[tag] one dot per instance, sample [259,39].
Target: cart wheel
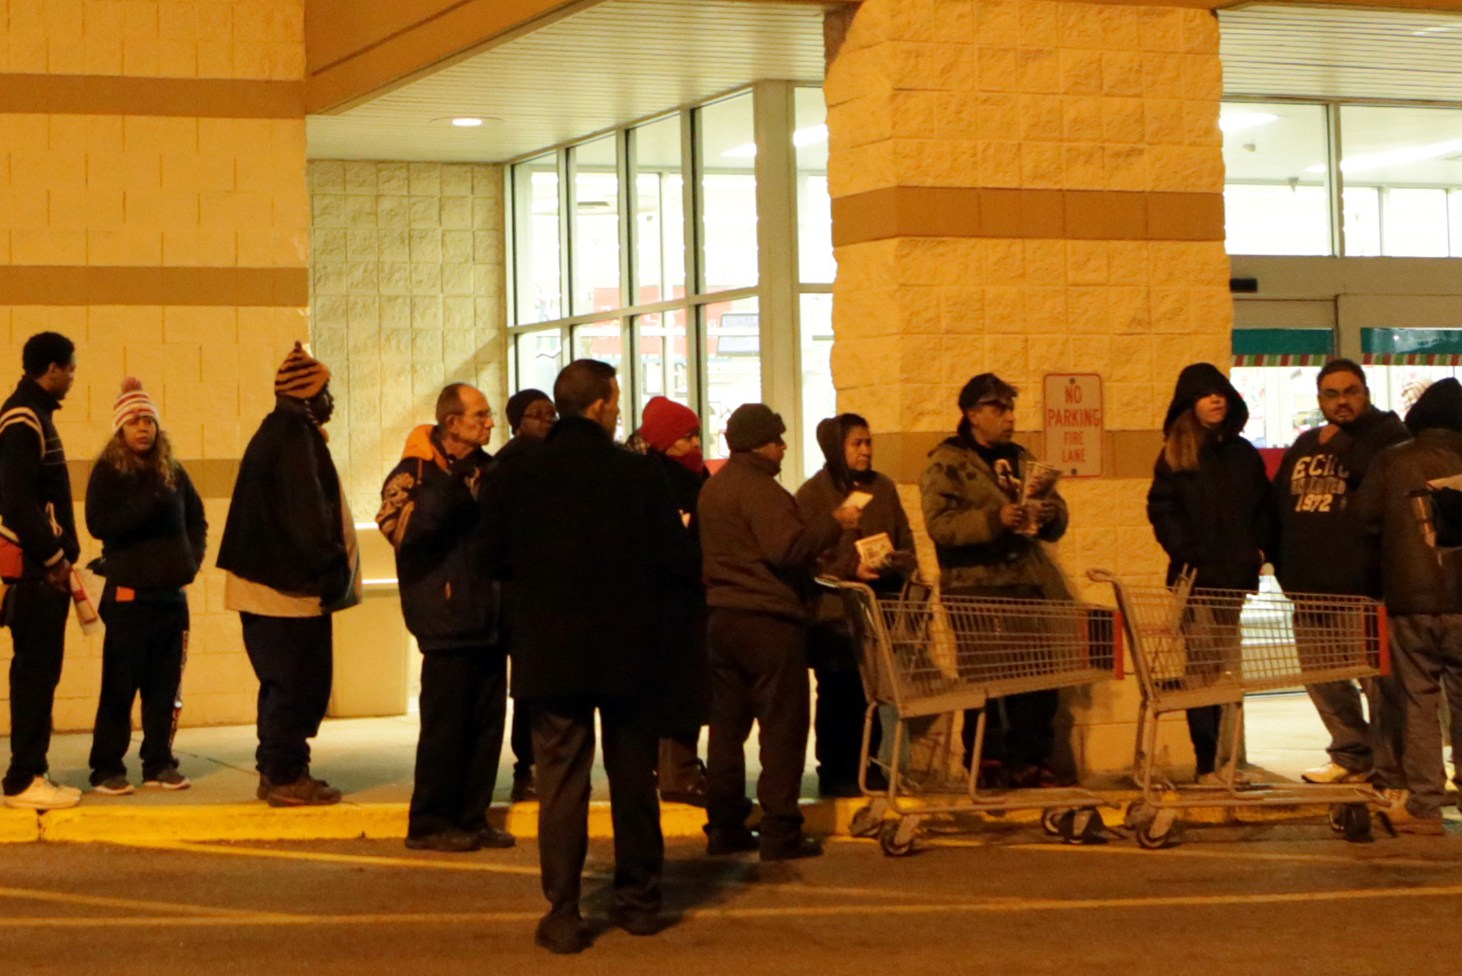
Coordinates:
[896,838]
[1138,815]
[1337,817]
[1083,826]
[1051,820]
[867,821]
[1158,832]
[1356,823]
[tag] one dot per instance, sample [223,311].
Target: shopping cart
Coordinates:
[924,655]
[1197,647]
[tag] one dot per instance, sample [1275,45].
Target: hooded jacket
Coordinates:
[431,516]
[1413,580]
[1321,545]
[1216,519]
[36,511]
[962,497]
[825,491]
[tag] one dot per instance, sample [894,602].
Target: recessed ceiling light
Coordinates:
[467,121]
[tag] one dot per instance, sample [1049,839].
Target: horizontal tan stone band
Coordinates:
[213,477]
[1127,453]
[63,285]
[204,98]
[1105,215]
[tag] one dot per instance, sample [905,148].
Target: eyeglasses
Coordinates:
[550,415]
[1350,393]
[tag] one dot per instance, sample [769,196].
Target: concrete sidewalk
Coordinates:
[371,760]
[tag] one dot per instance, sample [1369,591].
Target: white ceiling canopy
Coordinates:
[616,62]
[1297,50]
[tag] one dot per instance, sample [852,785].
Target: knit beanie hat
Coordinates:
[666,422]
[752,425]
[301,375]
[133,401]
[518,405]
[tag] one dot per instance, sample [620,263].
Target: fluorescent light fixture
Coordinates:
[1239,121]
[809,136]
[467,122]
[1395,157]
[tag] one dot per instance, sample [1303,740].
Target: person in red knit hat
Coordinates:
[670,433]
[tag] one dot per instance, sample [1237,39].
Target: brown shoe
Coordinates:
[304,792]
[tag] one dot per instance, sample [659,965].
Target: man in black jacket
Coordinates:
[1322,547]
[758,558]
[590,541]
[37,547]
[431,515]
[1423,598]
[289,556]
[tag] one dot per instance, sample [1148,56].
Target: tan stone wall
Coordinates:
[95,205]
[407,297]
[1043,98]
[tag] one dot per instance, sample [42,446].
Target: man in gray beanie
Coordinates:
[758,561]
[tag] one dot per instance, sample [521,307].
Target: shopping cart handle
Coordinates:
[1101,576]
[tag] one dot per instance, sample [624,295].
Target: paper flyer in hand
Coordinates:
[873,551]
[1040,482]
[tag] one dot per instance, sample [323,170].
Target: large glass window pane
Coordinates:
[819,398]
[728,194]
[733,367]
[1276,188]
[1362,221]
[595,233]
[536,240]
[814,205]
[604,341]
[663,363]
[1408,157]
[659,212]
[539,358]
[1454,222]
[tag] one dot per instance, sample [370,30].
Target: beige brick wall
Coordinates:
[87,190]
[407,296]
[1034,96]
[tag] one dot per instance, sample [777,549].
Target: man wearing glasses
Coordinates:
[1323,548]
[431,515]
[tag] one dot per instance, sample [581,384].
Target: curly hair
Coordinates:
[158,461]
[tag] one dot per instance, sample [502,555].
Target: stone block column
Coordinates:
[1030,187]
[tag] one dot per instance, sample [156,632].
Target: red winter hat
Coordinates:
[666,422]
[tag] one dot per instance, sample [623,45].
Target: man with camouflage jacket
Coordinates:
[971,494]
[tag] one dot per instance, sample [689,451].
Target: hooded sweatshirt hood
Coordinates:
[422,445]
[832,435]
[1440,405]
[1197,381]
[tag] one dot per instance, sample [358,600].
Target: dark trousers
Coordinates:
[563,747]
[142,652]
[522,740]
[35,612]
[758,673]
[464,701]
[1203,731]
[1020,737]
[838,722]
[680,762]
[292,658]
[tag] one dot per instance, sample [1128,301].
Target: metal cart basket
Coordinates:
[1197,647]
[925,655]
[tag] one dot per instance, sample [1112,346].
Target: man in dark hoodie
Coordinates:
[832,650]
[431,515]
[1423,598]
[1209,506]
[290,562]
[759,556]
[1321,547]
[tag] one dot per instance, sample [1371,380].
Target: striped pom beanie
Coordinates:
[301,375]
[133,401]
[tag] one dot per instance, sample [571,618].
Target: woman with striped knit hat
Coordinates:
[141,506]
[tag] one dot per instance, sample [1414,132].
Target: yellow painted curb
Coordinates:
[19,826]
[385,821]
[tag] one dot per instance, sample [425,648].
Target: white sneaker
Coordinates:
[1335,773]
[1241,780]
[42,794]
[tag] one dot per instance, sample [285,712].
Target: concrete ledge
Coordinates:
[385,821]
